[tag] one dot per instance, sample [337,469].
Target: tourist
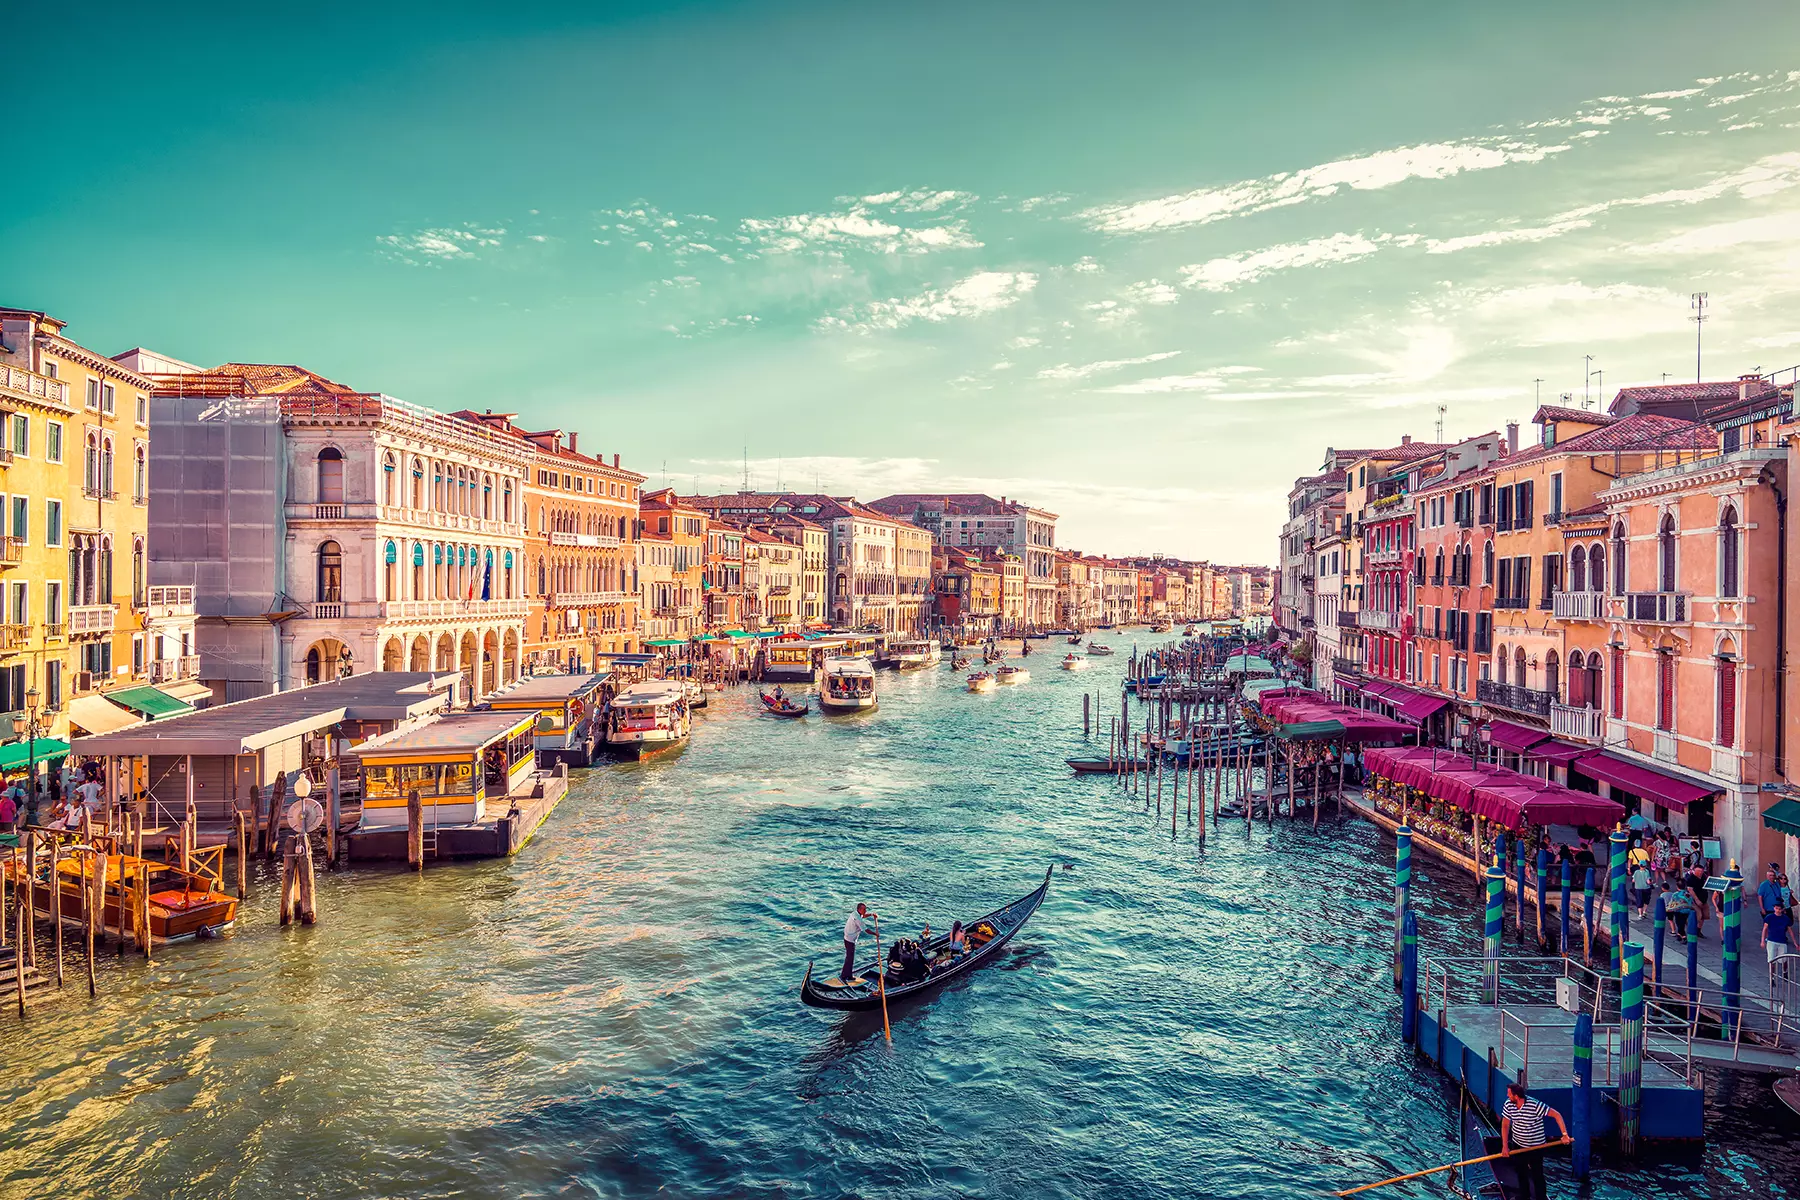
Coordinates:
[18,795]
[1637,856]
[1677,905]
[861,921]
[1768,892]
[1694,881]
[1777,928]
[9,811]
[90,793]
[959,941]
[1522,1136]
[1640,887]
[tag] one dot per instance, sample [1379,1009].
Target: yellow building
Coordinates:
[74,496]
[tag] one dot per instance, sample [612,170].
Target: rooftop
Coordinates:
[464,733]
[549,688]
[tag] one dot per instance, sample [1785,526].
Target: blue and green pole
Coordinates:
[1620,924]
[1403,838]
[1730,957]
[1490,942]
[1582,1096]
[1567,871]
[1519,889]
[1409,977]
[1631,1046]
[1693,970]
[1587,915]
[1659,926]
[1543,878]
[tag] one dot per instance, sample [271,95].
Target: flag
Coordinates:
[487,576]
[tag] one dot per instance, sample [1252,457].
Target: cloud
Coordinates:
[1235,270]
[1710,239]
[1382,169]
[1203,381]
[858,228]
[440,245]
[1153,291]
[1573,313]
[982,292]
[1502,237]
[1780,341]
[1084,370]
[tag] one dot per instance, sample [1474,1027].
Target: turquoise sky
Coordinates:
[1138,263]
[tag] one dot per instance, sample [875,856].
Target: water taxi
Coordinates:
[1074,662]
[182,904]
[565,707]
[649,717]
[1099,649]
[848,686]
[912,655]
[1161,627]
[982,681]
[1012,675]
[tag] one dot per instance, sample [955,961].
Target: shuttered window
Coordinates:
[1618,683]
[1727,702]
[1665,690]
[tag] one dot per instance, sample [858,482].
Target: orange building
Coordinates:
[672,563]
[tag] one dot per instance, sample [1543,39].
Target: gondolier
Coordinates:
[861,921]
[1523,1136]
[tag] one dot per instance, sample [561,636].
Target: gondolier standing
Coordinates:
[861,921]
[1522,1135]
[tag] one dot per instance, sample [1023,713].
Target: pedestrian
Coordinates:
[9,811]
[861,921]
[1677,905]
[1777,929]
[1640,888]
[1695,884]
[1768,892]
[1522,1136]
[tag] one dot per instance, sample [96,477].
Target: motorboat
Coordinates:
[1012,675]
[1161,627]
[1099,649]
[1074,662]
[848,685]
[912,655]
[649,717]
[179,904]
[982,681]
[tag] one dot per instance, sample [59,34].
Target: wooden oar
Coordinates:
[881,977]
[1467,1162]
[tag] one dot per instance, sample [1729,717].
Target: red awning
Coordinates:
[1349,685]
[1672,791]
[1514,739]
[1557,752]
[1378,690]
[1416,706]
[1495,793]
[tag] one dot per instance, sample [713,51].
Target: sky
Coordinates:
[1137,263]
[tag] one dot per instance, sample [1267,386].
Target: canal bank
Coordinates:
[613,1011]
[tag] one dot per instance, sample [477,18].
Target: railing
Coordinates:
[55,629]
[1587,724]
[331,610]
[1484,641]
[171,600]
[1508,695]
[415,609]
[99,493]
[141,501]
[1578,606]
[577,599]
[38,387]
[15,634]
[1385,554]
[92,618]
[1347,620]
[1346,666]
[1370,618]
[12,551]
[167,670]
[6,457]
[673,610]
[1512,602]
[562,538]
[1654,608]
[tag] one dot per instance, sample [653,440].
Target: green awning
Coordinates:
[738,633]
[149,701]
[666,642]
[1257,687]
[13,755]
[1249,665]
[1309,731]
[763,633]
[1783,816]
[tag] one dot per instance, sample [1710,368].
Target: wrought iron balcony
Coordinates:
[1653,608]
[1519,699]
[1584,724]
[1346,666]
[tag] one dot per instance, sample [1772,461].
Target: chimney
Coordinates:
[572,436]
[1406,439]
[1745,383]
[1512,437]
[615,460]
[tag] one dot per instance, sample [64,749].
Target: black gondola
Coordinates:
[781,706]
[1106,766]
[1005,921]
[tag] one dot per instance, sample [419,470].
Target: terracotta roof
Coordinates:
[1408,451]
[1555,412]
[1686,400]
[251,379]
[1640,431]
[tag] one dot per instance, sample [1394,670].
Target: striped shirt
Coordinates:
[1527,1118]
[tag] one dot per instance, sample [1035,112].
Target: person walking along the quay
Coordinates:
[861,921]
[1768,892]
[1777,929]
[1522,1136]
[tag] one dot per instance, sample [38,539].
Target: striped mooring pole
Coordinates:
[1582,1096]
[1402,890]
[1519,890]
[1731,956]
[1659,927]
[1409,978]
[1631,1047]
[1490,942]
[1693,970]
[1620,925]
[1543,881]
[1567,871]
[1587,914]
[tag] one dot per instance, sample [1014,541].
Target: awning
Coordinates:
[1381,691]
[1416,706]
[187,689]
[149,701]
[1311,731]
[13,756]
[1514,739]
[738,633]
[666,642]
[96,714]
[1670,790]
[627,660]
[1512,799]
[1260,687]
[1554,751]
[1783,816]
[1349,685]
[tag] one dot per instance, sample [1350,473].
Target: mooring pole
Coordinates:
[1659,924]
[1582,1096]
[1620,924]
[1490,942]
[1563,912]
[1631,1046]
[1409,978]
[1731,957]
[1402,895]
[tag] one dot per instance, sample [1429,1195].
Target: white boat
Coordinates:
[1100,649]
[848,685]
[1012,675]
[910,656]
[981,681]
[648,717]
[1074,662]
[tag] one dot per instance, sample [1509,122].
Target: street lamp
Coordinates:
[28,726]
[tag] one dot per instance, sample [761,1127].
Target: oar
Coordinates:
[881,977]
[1467,1162]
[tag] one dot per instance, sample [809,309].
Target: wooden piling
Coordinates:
[56,932]
[241,828]
[28,943]
[93,882]
[143,899]
[333,807]
[415,831]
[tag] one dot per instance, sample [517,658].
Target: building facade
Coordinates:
[671,565]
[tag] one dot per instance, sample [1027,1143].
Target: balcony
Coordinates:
[168,602]
[92,619]
[96,493]
[560,538]
[1512,602]
[1369,618]
[1653,608]
[330,610]
[672,610]
[1519,699]
[32,386]
[14,635]
[55,630]
[1386,554]
[6,457]
[1579,606]
[12,551]
[1346,667]
[581,599]
[328,512]
[169,670]
[415,610]
[1582,724]
[1347,620]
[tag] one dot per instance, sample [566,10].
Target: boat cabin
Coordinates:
[565,708]
[457,763]
[848,678]
[797,659]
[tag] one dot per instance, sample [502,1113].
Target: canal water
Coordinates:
[614,1012]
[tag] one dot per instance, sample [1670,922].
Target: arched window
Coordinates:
[418,571]
[106,467]
[1519,666]
[542,579]
[1501,663]
[140,475]
[1665,553]
[1728,554]
[331,573]
[1487,563]
[437,487]
[314,666]
[506,499]
[331,476]
[1596,568]
[1665,689]
[137,572]
[1553,676]
[1618,557]
[1437,566]
[1577,679]
[1725,669]
[487,497]
[90,464]
[1578,570]
[390,571]
[418,484]
[390,468]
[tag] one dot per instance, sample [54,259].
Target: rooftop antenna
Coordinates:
[665,472]
[1587,373]
[1665,377]
[1442,408]
[1537,391]
[746,467]
[1697,302]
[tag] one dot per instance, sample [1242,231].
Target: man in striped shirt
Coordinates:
[1522,1136]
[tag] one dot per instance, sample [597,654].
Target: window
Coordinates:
[1556,496]
[1522,504]
[1596,568]
[1728,553]
[93,392]
[1665,690]
[389,485]
[331,476]
[1519,666]
[1552,579]
[137,572]
[109,398]
[90,463]
[1618,681]
[21,528]
[1665,552]
[21,434]
[53,524]
[331,573]
[53,690]
[140,473]
[1618,554]
[53,441]
[1487,566]
[53,609]
[106,467]
[143,409]
[1726,670]
[1577,571]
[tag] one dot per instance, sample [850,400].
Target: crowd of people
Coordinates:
[73,794]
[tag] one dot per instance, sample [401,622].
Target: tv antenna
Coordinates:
[1442,409]
[1587,373]
[1537,391]
[1598,373]
[746,468]
[1697,302]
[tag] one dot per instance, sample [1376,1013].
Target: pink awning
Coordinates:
[1493,793]
[1671,791]
[1417,706]
[1557,752]
[1514,739]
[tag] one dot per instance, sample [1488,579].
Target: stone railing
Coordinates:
[1582,724]
[1579,606]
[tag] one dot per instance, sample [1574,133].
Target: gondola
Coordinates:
[1104,766]
[865,992]
[781,706]
[1493,1180]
